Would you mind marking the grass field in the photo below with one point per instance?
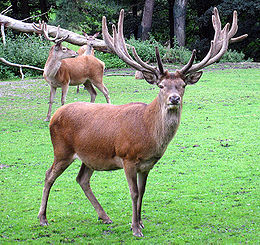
(205, 189)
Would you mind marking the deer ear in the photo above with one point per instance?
(193, 78)
(150, 78)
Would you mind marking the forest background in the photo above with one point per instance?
(176, 26)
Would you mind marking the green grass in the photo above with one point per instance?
(205, 189)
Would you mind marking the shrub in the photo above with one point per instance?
(111, 60)
(146, 49)
(177, 55)
(233, 56)
(23, 49)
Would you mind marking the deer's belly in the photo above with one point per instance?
(101, 164)
(76, 82)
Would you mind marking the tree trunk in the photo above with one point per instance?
(171, 21)
(146, 24)
(179, 15)
(134, 9)
(44, 9)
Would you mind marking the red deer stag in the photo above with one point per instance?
(132, 137)
(62, 71)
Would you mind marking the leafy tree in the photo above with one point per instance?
(22, 9)
(200, 31)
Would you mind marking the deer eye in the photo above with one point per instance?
(64, 49)
(160, 86)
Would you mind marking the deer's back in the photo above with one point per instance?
(81, 68)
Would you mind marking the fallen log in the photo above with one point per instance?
(73, 38)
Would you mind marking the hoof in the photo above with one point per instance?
(43, 221)
(137, 232)
(106, 220)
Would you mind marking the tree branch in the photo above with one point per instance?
(3, 33)
(73, 38)
(20, 66)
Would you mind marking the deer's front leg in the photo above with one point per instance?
(52, 95)
(142, 177)
(131, 176)
(64, 91)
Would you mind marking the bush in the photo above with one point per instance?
(111, 60)
(233, 56)
(146, 49)
(23, 49)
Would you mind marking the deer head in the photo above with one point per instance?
(58, 51)
(90, 38)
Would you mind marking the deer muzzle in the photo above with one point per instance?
(174, 100)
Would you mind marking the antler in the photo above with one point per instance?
(43, 28)
(118, 45)
(219, 44)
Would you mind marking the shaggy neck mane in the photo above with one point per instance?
(162, 122)
(51, 66)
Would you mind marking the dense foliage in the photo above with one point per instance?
(23, 49)
(79, 15)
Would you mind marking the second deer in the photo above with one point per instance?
(63, 69)
(87, 49)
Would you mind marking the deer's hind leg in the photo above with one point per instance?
(89, 87)
(61, 161)
(104, 91)
(83, 179)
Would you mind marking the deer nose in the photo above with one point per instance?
(175, 99)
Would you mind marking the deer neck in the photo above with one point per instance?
(52, 66)
(162, 122)
(88, 50)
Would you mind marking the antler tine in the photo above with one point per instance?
(219, 45)
(159, 61)
(39, 29)
(43, 28)
(121, 33)
(238, 39)
(234, 26)
(190, 62)
(118, 45)
(234, 29)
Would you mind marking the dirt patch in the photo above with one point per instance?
(4, 166)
